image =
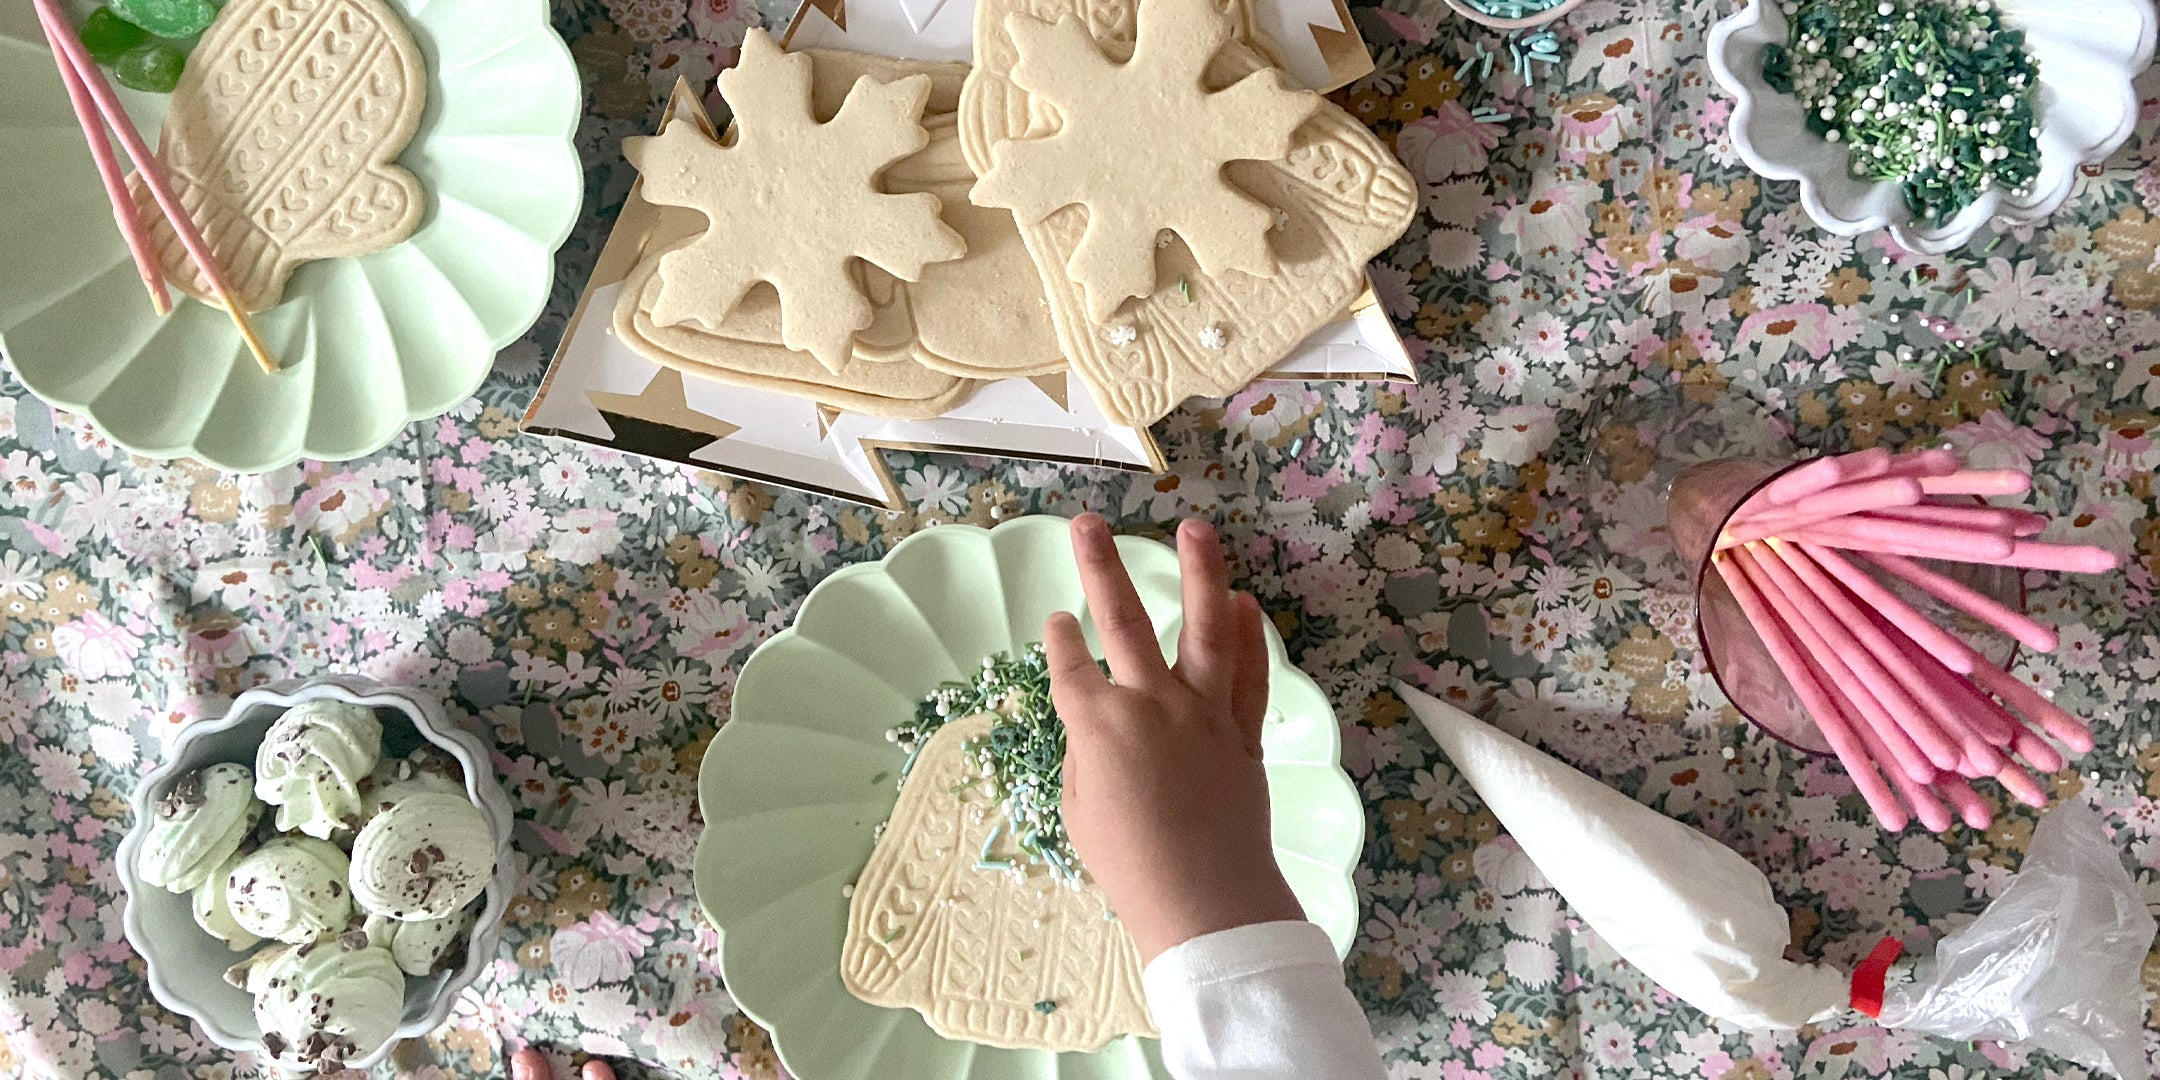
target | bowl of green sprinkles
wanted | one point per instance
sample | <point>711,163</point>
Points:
<point>825,716</point>
<point>1931,118</point>
<point>1513,14</point>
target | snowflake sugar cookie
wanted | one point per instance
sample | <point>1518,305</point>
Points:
<point>1166,137</point>
<point>793,200</point>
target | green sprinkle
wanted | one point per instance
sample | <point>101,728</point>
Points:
<point>1993,244</point>
<point>1937,98</point>
<point>1046,1007</point>
<point>317,545</point>
<point>1021,758</point>
<point>890,935</point>
<point>881,777</point>
<point>1184,289</point>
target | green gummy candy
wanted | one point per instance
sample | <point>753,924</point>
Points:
<point>168,18</point>
<point>107,35</point>
<point>152,68</point>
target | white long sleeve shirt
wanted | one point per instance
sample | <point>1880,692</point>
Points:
<point>1259,1002</point>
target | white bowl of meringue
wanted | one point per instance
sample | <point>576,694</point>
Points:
<point>318,873</point>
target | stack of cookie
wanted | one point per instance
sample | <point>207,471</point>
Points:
<point>1135,195</point>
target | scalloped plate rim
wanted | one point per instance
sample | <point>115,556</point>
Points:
<point>565,65</point>
<point>1343,788</point>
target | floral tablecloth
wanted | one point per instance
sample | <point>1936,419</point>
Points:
<point>1586,268</point>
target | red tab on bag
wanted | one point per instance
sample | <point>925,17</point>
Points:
<point>1868,979</point>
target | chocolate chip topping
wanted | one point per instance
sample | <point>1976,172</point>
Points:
<point>353,940</point>
<point>185,798</point>
<point>275,1043</point>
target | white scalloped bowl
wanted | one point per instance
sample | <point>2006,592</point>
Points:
<point>2089,51</point>
<point>186,966</point>
<point>800,774</point>
<point>366,345</point>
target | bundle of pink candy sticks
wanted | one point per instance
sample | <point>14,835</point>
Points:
<point>1912,711</point>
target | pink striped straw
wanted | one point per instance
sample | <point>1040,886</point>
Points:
<point>2065,728</point>
<point>1831,502</point>
<point>109,173</point>
<point>1978,482</point>
<point>1936,462</point>
<point>1983,518</point>
<point>1970,601</point>
<point>1898,657</point>
<point>1850,666</point>
<point>1837,727</point>
<point>1944,646</point>
<point>2064,558</point>
<point>1908,537</point>
<point>1971,806</point>
<point>1823,472</point>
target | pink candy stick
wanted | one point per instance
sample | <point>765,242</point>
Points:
<point>115,181</point>
<point>1983,518</point>
<point>2066,729</point>
<point>1978,482</point>
<point>2065,558</point>
<point>1940,643</point>
<point>1970,601</point>
<point>1837,727</point>
<point>1926,807</point>
<point>1824,472</point>
<point>1849,666</point>
<point>1971,806</point>
<point>1936,462</point>
<point>2036,751</point>
<point>2021,785</point>
<point>1834,502</point>
<point>1933,722</point>
<point>1930,541</point>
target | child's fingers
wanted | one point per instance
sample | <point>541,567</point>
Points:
<point>1073,674</point>
<point>1209,640</point>
<point>529,1064</point>
<point>1249,685</point>
<point>1121,623</point>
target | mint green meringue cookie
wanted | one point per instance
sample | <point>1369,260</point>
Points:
<point>422,947</point>
<point>291,889</point>
<point>197,826</point>
<point>326,1003</point>
<point>214,914</point>
<point>428,855</point>
<point>312,763</point>
<point>425,769</point>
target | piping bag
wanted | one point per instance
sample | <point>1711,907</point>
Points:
<point>2054,960</point>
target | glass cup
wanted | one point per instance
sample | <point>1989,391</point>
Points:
<point>1704,498</point>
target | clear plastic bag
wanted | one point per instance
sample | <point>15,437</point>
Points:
<point>2054,960</point>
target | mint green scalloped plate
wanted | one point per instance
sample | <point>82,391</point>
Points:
<point>367,344</point>
<point>796,780</point>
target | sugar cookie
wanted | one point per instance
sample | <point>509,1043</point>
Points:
<point>281,140</point>
<point>793,202</point>
<point>1011,958</point>
<point>1338,198</point>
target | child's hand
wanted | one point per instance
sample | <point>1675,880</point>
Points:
<point>1165,798</point>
